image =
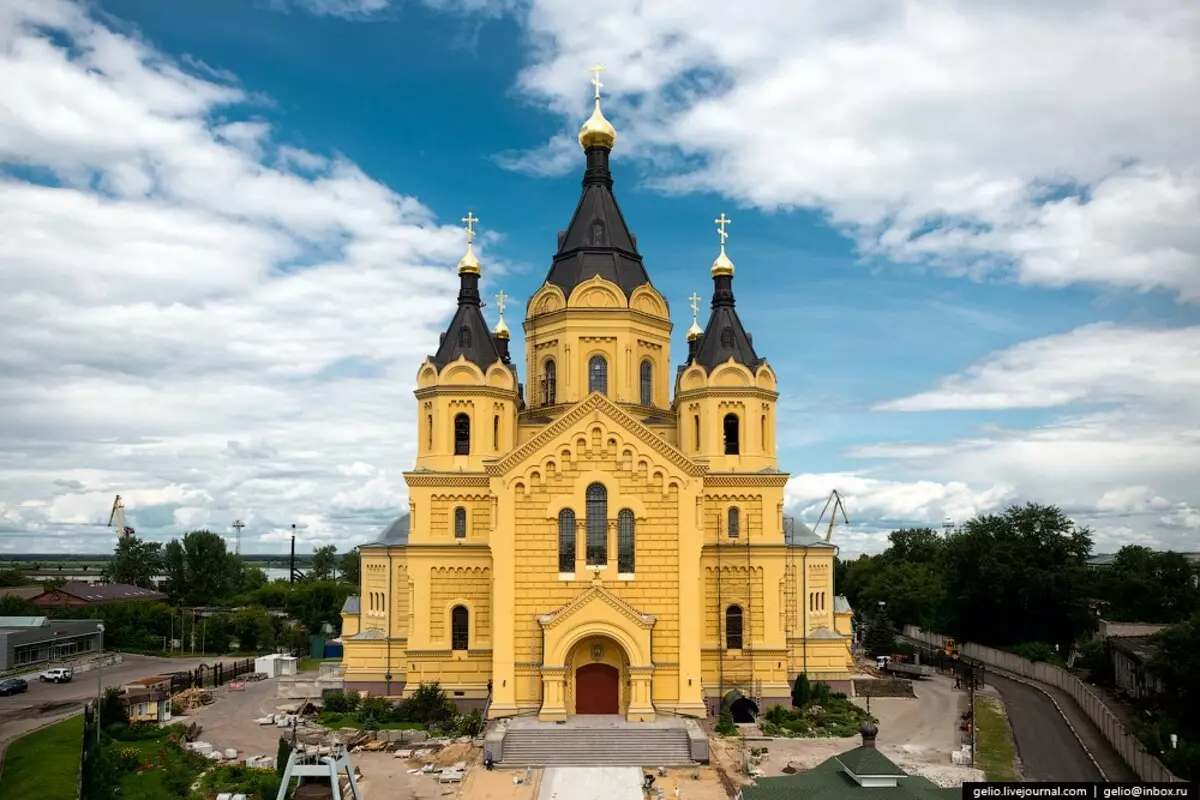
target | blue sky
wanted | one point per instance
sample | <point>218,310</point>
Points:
<point>965,239</point>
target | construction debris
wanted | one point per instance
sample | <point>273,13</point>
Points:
<point>189,699</point>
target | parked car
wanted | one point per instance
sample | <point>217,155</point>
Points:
<point>13,686</point>
<point>56,675</point>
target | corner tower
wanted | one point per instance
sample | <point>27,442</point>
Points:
<point>467,393</point>
<point>726,394</point>
<point>597,324</point>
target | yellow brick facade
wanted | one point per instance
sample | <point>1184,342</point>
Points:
<point>609,536</point>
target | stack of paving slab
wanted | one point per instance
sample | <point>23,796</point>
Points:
<point>962,756</point>
<point>260,762</point>
<point>231,796</point>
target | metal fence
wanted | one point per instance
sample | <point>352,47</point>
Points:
<point>210,676</point>
<point>1147,767</point>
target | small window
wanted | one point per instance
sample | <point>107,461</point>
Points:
<point>731,435</point>
<point>733,628</point>
<point>496,432</point>
<point>647,383</point>
<point>727,337</point>
<point>734,523</point>
<point>462,435</point>
<point>625,542</point>
<point>429,431</point>
<point>566,541</point>
<point>696,432</point>
<point>597,525</point>
<point>460,523</point>
<point>549,379</point>
<point>464,336</point>
<point>459,628</point>
<point>763,433</point>
<point>598,375</point>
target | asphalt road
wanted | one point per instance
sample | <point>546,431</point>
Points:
<point>1048,749</point>
<point>45,702</point>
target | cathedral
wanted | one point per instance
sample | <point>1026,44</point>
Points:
<point>608,537</point>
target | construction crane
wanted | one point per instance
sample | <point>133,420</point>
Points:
<point>117,519</point>
<point>833,506</point>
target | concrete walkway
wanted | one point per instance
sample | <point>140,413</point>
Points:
<point>591,783</point>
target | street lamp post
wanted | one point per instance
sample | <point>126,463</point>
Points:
<point>99,680</point>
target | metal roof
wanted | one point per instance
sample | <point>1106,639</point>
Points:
<point>104,592</point>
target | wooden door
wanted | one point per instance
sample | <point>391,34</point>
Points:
<point>597,689</point>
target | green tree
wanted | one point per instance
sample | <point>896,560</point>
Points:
<point>350,566</point>
<point>317,603</point>
<point>324,563</point>
<point>14,577</point>
<point>18,607</point>
<point>1018,577</point>
<point>200,571</point>
<point>254,629</point>
<point>880,639</point>
<point>801,691</point>
<point>1142,585</point>
<point>135,561</point>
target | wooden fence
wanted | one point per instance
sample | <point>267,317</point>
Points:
<point>1147,767</point>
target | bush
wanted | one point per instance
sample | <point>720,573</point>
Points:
<point>776,715</point>
<point>282,753</point>
<point>341,702</point>
<point>427,705</point>
<point>820,693</point>
<point>127,759</point>
<point>800,691</point>
<point>725,724</point>
<point>1096,659</point>
<point>1037,651</point>
<point>374,712</point>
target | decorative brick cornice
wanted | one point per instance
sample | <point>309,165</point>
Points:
<point>465,391</point>
<point>597,594</point>
<point>740,392</point>
<point>447,479</point>
<point>722,480</point>
<point>592,403</point>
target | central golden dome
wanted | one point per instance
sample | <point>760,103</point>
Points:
<point>597,131</point>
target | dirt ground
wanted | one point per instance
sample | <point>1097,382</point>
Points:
<point>229,721</point>
<point>918,734</point>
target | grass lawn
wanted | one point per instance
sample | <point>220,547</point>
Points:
<point>45,763</point>
<point>995,752</point>
<point>312,664</point>
<point>335,721</point>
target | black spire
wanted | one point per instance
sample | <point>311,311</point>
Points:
<point>597,242</point>
<point>467,334</point>
<point>725,337</point>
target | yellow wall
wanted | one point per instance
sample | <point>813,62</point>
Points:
<point>663,625</point>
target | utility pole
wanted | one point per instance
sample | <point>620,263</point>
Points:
<point>99,681</point>
<point>237,526</point>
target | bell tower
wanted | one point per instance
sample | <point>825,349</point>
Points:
<point>467,393</point>
<point>725,393</point>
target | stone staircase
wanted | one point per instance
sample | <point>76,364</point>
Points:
<point>562,746</point>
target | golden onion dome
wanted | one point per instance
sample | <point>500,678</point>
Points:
<point>597,131</point>
<point>469,263</point>
<point>694,332</point>
<point>722,266</point>
<point>501,330</point>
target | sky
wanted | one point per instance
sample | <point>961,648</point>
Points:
<point>967,237</point>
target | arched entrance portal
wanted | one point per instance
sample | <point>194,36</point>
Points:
<point>597,689</point>
<point>741,707</point>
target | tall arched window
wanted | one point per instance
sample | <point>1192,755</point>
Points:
<point>597,525</point>
<point>731,435</point>
<point>625,542</point>
<point>549,381</point>
<point>462,435</point>
<point>733,628</point>
<point>460,523</point>
<point>566,541</point>
<point>598,374</point>
<point>460,628</point>
<point>464,336</point>
<point>696,432</point>
<point>763,433</point>
<point>735,519</point>
<point>429,430</point>
<point>647,383</point>
<point>496,432</point>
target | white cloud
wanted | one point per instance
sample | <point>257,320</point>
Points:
<point>195,316</point>
<point>1056,138</point>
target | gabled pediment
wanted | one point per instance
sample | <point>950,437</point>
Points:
<point>595,603</point>
<point>593,403</point>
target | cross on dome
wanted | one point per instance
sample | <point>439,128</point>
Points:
<point>722,221</point>
<point>470,219</point>
<point>597,69</point>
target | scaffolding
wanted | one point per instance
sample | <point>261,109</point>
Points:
<point>791,620</point>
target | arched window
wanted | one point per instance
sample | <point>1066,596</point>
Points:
<point>549,379</point>
<point>460,523</point>
<point>733,628</point>
<point>763,433</point>
<point>460,629</point>
<point>598,375</point>
<point>464,336</point>
<point>429,430</point>
<point>625,542</point>
<point>462,435</point>
<point>647,383</point>
<point>731,435</point>
<point>496,432</point>
<point>696,432</point>
<point>735,518</point>
<point>566,541</point>
<point>597,525</point>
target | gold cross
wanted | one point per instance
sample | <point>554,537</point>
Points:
<point>597,68</point>
<point>470,219</point>
<point>695,298</point>
<point>722,221</point>
<point>500,298</point>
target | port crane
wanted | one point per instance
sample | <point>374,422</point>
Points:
<point>116,519</point>
<point>833,506</point>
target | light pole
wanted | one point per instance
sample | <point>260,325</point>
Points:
<point>99,680</point>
